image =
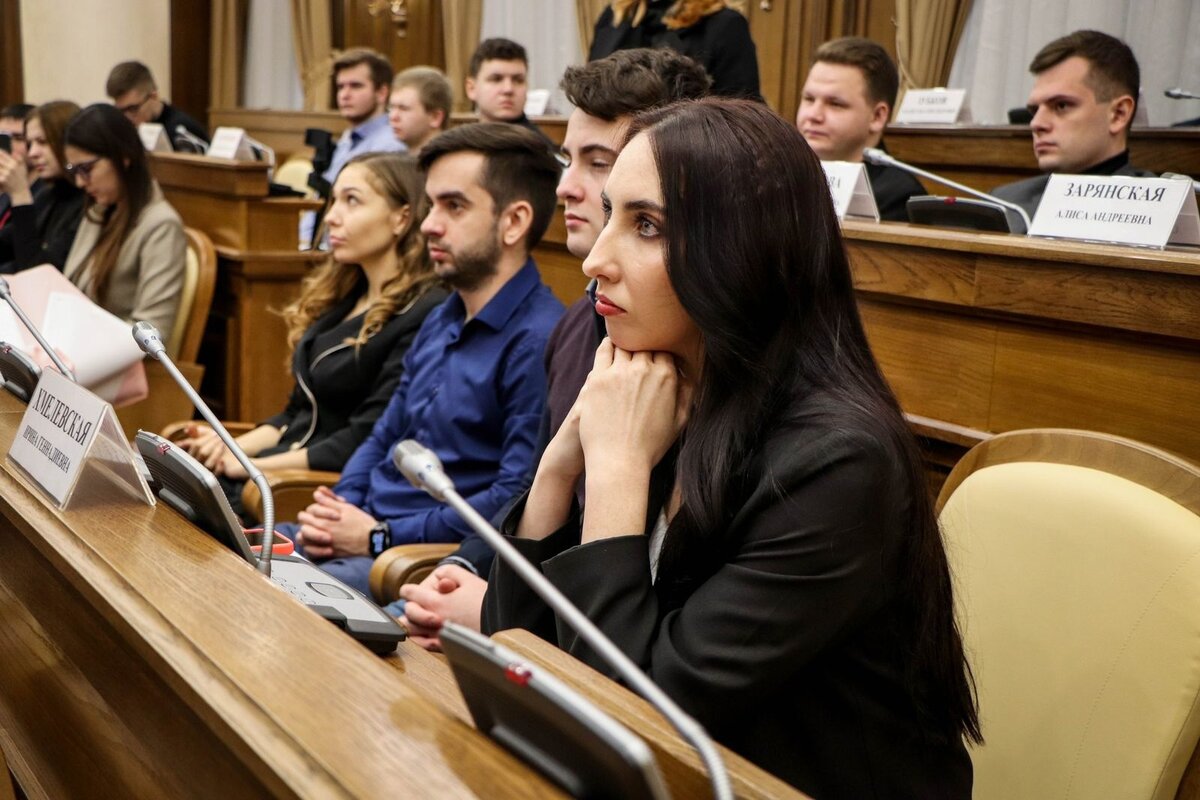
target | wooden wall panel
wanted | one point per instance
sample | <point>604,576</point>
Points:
<point>421,44</point>
<point>191,33</point>
<point>12,75</point>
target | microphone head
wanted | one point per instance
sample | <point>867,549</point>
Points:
<point>873,155</point>
<point>4,287</point>
<point>421,467</point>
<point>149,339</point>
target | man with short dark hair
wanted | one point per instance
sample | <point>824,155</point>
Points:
<point>132,89</point>
<point>606,94</point>
<point>497,83</point>
<point>362,79</point>
<point>1083,100</point>
<point>474,385</point>
<point>419,107</point>
<point>845,104</point>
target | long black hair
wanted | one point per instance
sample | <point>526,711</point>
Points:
<point>754,253</point>
<point>102,130</point>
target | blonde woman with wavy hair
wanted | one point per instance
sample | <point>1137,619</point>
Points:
<point>713,33</point>
<point>349,330</point>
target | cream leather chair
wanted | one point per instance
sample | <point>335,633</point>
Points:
<point>1076,563</point>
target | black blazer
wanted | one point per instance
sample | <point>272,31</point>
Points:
<point>340,392</point>
<point>42,233</point>
<point>720,42</point>
<point>786,649</point>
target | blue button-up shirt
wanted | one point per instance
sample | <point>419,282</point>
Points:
<point>473,392</point>
<point>373,136</point>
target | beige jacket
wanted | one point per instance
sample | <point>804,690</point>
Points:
<point>147,280</point>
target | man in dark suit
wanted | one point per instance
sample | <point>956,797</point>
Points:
<point>847,100</point>
<point>133,90</point>
<point>1083,100</point>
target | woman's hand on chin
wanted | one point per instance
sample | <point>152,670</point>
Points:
<point>631,409</point>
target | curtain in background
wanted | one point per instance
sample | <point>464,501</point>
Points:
<point>1002,37</point>
<point>271,78</point>
<point>547,29</point>
<point>312,35</point>
<point>227,52</point>
<point>589,11</point>
<point>461,23</point>
<point>927,34</point>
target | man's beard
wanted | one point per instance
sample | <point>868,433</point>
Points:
<point>472,267</point>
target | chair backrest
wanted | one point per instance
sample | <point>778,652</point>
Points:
<point>195,301</point>
<point>294,173</point>
<point>1076,562</point>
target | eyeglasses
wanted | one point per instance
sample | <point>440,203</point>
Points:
<point>83,169</point>
<point>132,108</point>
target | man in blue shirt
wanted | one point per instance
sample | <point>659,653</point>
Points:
<point>363,79</point>
<point>474,383</point>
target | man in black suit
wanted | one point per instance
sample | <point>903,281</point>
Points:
<point>847,100</point>
<point>1083,100</point>
<point>132,89</point>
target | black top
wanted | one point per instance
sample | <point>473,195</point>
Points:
<point>720,42</point>
<point>1028,193</point>
<point>341,391</point>
<point>892,187</point>
<point>171,117</point>
<point>787,651</point>
<point>42,233</point>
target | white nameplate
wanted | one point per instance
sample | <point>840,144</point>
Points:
<point>230,143</point>
<point>1146,212</point>
<point>154,138</point>
<point>64,425</point>
<point>851,190</point>
<point>933,107</point>
<point>535,102</point>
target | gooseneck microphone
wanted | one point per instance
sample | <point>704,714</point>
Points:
<point>424,470</point>
<point>149,339</point>
<point>874,155</point>
<point>192,139</point>
<point>1181,94</point>
<point>6,294</point>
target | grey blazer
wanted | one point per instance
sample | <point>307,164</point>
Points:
<point>1028,193</point>
<point>147,280</point>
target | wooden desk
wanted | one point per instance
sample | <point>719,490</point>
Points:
<point>259,268</point>
<point>682,770</point>
<point>1001,332</point>
<point>138,658</point>
<point>985,156</point>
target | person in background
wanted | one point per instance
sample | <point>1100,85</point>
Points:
<point>606,94</point>
<point>708,31</point>
<point>846,102</point>
<point>349,330</point>
<point>362,79</point>
<point>473,387</point>
<point>12,125</point>
<point>419,107</point>
<point>44,220</point>
<point>758,535</point>
<point>129,252</point>
<point>1083,100</point>
<point>134,92</point>
<point>497,83</point>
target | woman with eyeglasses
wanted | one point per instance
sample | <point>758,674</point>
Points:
<point>129,253</point>
<point>43,221</point>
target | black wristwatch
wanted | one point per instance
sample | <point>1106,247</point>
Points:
<point>380,538</point>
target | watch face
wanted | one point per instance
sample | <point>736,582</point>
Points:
<point>376,542</point>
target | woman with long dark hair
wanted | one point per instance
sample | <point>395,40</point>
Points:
<point>44,220</point>
<point>128,255</point>
<point>349,329</point>
<point>757,532</point>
